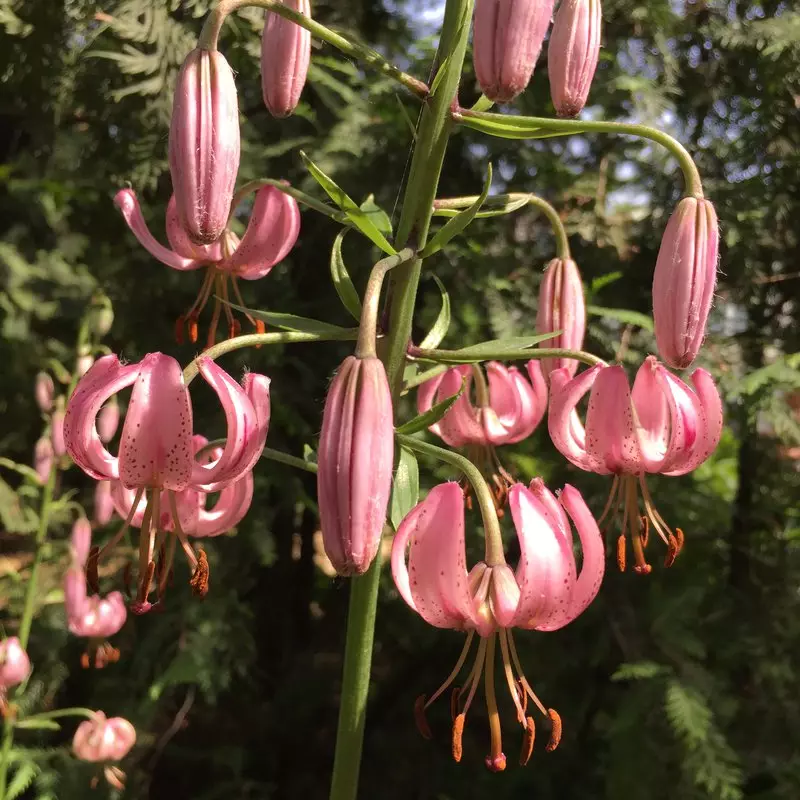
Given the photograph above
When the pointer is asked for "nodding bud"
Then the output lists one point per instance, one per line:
(84, 364)
(204, 144)
(285, 53)
(44, 391)
(80, 541)
(684, 280)
(507, 40)
(100, 316)
(43, 458)
(572, 54)
(356, 453)
(57, 432)
(103, 503)
(561, 308)
(15, 665)
(108, 420)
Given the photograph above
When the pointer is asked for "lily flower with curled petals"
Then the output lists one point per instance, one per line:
(544, 593)
(271, 233)
(156, 452)
(662, 425)
(508, 410)
(103, 739)
(92, 616)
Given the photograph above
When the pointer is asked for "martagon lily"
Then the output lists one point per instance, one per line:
(544, 593)
(662, 425)
(271, 233)
(157, 450)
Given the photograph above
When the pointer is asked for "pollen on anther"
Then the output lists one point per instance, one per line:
(555, 731)
(458, 734)
(672, 550)
(199, 580)
(527, 741)
(644, 530)
(679, 539)
(621, 552)
(420, 719)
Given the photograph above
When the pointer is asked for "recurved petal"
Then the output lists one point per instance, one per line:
(181, 243)
(461, 425)
(126, 201)
(434, 580)
(123, 499)
(532, 402)
(546, 570)
(229, 510)
(156, 445)
(105, 378)
(425, 399)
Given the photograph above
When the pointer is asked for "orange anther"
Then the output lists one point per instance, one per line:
(420, 719)
(621, 552)
(644, 530)
(199, 580)
(679, 539)
(672, 550)
(555, 732)
(193, 328)
(527, 742)
(458, 733)
(179, 326)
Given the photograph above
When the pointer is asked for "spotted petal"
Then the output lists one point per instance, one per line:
(229, 510)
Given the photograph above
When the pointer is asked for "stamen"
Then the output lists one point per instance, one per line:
(475, 674)
(419, 718)
(522, 679)
(496, 761)
(454, 674)
(199, 580)
(555, 732)
(641, 567)
(457, 736)
(679, 539)
(644, 529)
(672, 551)
(240, 299)
(166, 567)
(260, 327)
(523, 695)
(512, 684)
(144, 584)
(621, 552)
(180, 324)
(658, 521)
(454, 696)
(237, 329)
(612, 496)
(527, 742)
(212, 329)
(91, 569)
(193, 331)
(121, 532)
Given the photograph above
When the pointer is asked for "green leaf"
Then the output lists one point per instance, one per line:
(405, 489)
(623, 315)
(291, 322)
(341, 279)
(432, 415)
(440, 327)
(511, 343)
(483, 103)
(309, 454)
(38, 724)
(23, 778)
(407, 117)
(380, 219)
(507, 207)
(459, 222)
(604, 280)
(508, 129)
(638, 670)
(361, 220)
(22, 469)
(440, 73)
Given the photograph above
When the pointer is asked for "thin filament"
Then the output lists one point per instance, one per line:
(121, 532)
(510, 680)
(454, 674)
(522, 679)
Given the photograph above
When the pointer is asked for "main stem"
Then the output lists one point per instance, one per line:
(426, 166)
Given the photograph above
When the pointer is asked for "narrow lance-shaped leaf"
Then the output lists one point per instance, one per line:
(359, 219)
(341, 279)
(291, 322)
(442, 324)
(405, 489)
(380, 219)
(431, 416)
(454, 226)
(508, 129)
(624, 315)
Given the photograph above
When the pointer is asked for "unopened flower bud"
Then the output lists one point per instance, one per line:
(356, 453)
(572, 54)
(44, 391)
(15, 665)
(103, 503)
(84, 363)
(561, 308)
(80, 541)
(101, 739)
(43, 458)
(285, 53)
(100, 316)
(57, 432)
(204, 144)
(684, 280)
(507, 40)
(108, 420)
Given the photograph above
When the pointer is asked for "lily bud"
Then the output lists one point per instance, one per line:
(561, 308)
(103, 503)
(43, 458)
(204, 144)
(57, 432)
(14, 663)
(108, 420)
(684, 280)
(44, 391)
(356, 453)
(101, 316)
(285, 53)
(573, 53)
(507, 40)
(84, 363)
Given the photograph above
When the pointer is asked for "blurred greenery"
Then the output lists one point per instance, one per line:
(682, 684)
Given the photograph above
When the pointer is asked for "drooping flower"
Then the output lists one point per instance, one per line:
(572, 54)
(43, 458)
(506, 411)
(103, 739)
(684, 280)
(156, 451)
(355, 459)
(544, 593)
(44, 391)
(661, 426)
(108, 420)
(271, 233)
(204, 144)
(561, 308)
(285, 55)
(507, 40)
(103, 502)
(15, 665)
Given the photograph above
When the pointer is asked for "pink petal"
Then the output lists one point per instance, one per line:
(563, 424)
(546, 569)
(229, 510)
(103, 503)
(105, 378)
(435, 583)
(80, 541)
(461, 425)
(125, 200)
(156, 445)
(532, 402)
(181, 243)
(123, 502)
(591, 575)
(425, 399)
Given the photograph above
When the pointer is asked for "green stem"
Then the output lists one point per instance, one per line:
(694, 185)
(301, 197)
(483, 494)
(62, 712)
(455, 357)
(257, 339)
(426, 375)
(209, 37)
(426, 165)
(291, 461)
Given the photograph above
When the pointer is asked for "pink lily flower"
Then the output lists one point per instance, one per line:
(15, 665)
(103, 503)
(544, 593)
(44, 391)
(156, 451)
(43, 458)
(271, 233)
(660, 426)
(103, 739)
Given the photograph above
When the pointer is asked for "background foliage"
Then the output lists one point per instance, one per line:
(683, 684)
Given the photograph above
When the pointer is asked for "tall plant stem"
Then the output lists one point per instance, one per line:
(426, 166)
